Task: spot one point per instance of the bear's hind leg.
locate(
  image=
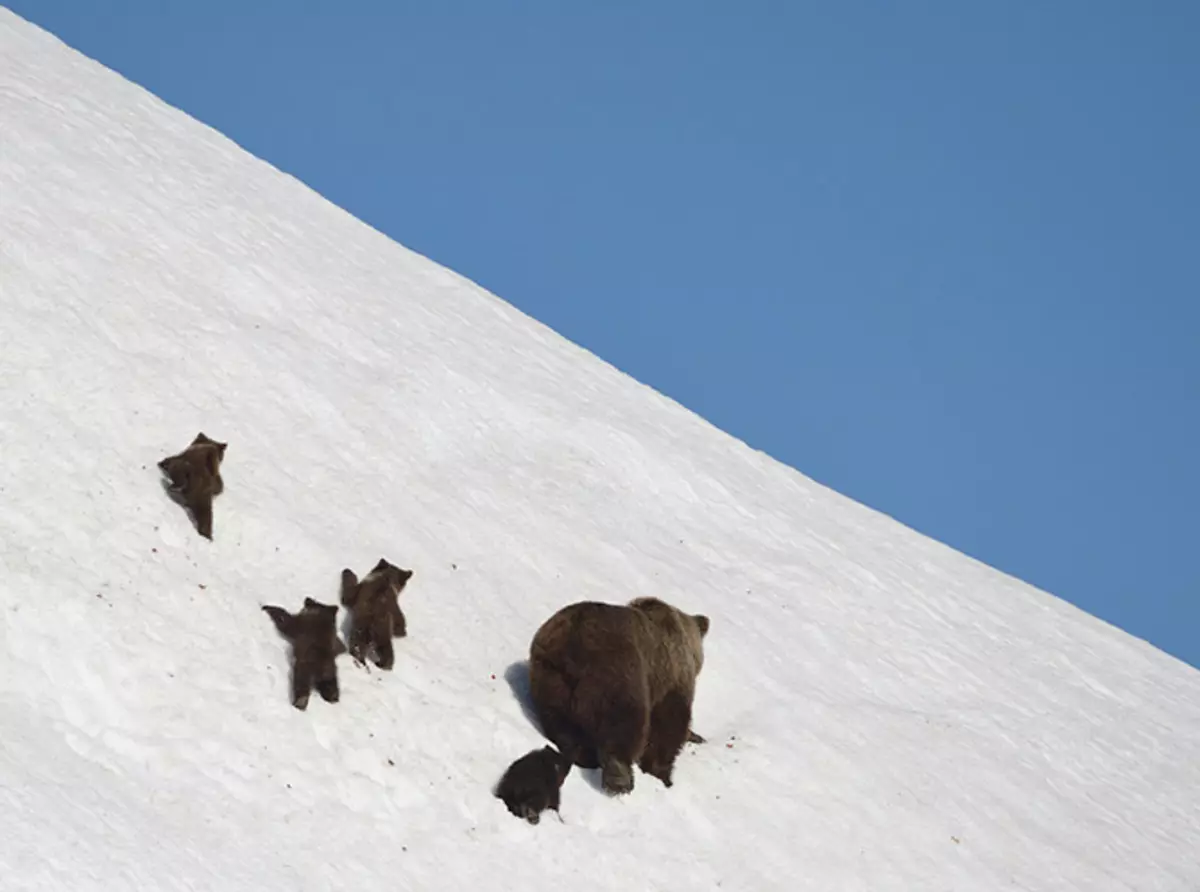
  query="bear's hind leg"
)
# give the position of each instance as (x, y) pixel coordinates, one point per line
(360, 641)
(551, 696)
(621, 722)
(568, 738)
(302, 678)
(669, 723)
(381, 637)
(327, 685)
(202, 513)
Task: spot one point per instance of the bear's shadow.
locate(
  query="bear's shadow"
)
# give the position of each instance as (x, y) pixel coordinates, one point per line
(347, 630)
(517, 676)
(291, 660)
(347, 624)
(177, 497)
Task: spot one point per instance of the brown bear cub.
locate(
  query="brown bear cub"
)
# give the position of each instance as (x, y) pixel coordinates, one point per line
(375, 611)
(613, 686)
(531, 784)
(195, 477)
(315, 647)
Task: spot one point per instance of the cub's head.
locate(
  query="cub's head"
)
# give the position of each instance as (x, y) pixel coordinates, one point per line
(319, 611)
(202, 440)
(397, 578)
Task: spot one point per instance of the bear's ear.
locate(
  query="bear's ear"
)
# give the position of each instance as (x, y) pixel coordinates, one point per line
(701, 623)
(205, 440)
(311, 604)
(381, 566)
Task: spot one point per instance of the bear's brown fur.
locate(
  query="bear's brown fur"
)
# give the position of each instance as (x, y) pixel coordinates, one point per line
(531, 784)
(375, 611)
(195, 477)
(315, 648)
(613, 686)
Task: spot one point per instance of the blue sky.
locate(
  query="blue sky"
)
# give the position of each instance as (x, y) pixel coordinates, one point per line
(942, 257)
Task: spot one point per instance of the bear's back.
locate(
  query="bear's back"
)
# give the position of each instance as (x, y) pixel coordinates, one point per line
(204, 469)
(375, 597)
(582, 635)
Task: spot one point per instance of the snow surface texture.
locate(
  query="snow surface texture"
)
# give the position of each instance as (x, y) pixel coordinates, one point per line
(882, 712)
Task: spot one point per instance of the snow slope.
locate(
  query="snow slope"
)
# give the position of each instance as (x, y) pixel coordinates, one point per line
(882, 712)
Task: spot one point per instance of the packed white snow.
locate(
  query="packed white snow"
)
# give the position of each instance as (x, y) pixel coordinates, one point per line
(881, 712)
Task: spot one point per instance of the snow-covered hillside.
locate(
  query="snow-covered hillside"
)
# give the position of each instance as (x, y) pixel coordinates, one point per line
(882, 712)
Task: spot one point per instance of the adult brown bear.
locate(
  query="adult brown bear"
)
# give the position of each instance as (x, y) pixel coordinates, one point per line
(612, 686)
